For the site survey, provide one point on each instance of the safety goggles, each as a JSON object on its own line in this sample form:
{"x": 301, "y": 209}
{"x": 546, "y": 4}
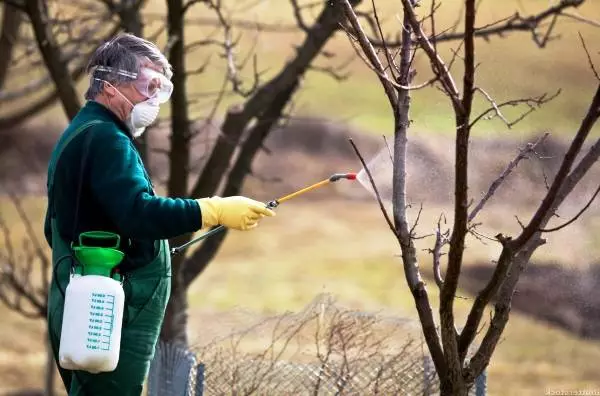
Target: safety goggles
{"x": 153, "y": 85}
{"x": 149, "y": 82}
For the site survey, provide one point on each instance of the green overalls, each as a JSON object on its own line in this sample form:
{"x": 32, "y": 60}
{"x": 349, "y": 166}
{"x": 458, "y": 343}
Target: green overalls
{"x": 147, "y": 290}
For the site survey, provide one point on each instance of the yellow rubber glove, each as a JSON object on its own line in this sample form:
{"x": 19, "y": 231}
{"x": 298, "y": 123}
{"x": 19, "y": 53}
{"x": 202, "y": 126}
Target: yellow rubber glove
{"x": 239, "y": 213}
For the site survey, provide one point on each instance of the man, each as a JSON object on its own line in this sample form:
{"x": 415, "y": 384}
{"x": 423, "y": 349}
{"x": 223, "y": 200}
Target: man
{"x": 97, "y": 181}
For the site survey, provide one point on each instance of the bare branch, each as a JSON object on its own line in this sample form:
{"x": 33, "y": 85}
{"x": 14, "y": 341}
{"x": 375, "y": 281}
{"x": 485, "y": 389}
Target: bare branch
{"x": 588, "y": 122}
{"x": 37, "y": 10}
{"x": 382, "y": 74}
{"x": 16, "y": 273}
{"x": 516, "y": 22}
{"x": 575, "y": 217}
{"x": 298, "y": 15}
{"x": 379, "y": 200}
{"x": 438, "y": 65}
{"x": 190, "y": 3}
{"x": 370, "y": 53}
{"x": 385, "y": 47}
{"x": 332, "y": 72}
{"x": 532, "y": 104}
{"x": 237, "y": 23}
{"x": 441, "y": 239}
{"x": 580, "y": 18}
{"x": 265, "y": 102}
{"x": 522, "y": 248}
{"x": 589, "y": 57}
{"x": 502, "y": 307}
{"x": 523, "y": 153}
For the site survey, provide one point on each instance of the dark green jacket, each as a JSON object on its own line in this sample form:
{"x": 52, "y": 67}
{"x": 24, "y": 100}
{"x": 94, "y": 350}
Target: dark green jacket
{"x": 116, "y": 194}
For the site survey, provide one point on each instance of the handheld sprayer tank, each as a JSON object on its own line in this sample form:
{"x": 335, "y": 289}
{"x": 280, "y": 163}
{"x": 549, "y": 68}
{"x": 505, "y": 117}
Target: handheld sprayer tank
{"x": 94, "y": 302}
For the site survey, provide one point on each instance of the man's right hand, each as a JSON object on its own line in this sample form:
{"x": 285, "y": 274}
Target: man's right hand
{"x": 235, "y": 212}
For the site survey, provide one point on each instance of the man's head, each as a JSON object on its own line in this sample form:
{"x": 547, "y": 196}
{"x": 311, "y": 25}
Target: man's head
{"x": 130, "y": 76}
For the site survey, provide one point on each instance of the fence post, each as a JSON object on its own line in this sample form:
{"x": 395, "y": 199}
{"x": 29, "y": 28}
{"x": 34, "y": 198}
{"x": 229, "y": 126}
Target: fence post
{"x": 481, "y": 384}
{"x": 427, "y": 363}
{"x": 170, "y": 371}
{"x": 200, "y": 379}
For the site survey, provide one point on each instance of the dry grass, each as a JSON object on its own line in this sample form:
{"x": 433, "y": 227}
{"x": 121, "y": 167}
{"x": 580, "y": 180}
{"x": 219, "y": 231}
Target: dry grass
{"x": 342, "y": 248}
{"x": 335, "y": 241}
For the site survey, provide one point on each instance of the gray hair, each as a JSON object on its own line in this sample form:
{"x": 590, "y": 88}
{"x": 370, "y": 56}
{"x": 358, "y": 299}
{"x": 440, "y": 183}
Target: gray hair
{"x": 119, "y": 61}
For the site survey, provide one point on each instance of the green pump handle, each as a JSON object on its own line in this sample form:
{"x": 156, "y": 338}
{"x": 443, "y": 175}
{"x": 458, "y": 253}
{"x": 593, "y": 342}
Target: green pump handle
{"x": 100, "y": 235}
{"x": 99, "y": 260}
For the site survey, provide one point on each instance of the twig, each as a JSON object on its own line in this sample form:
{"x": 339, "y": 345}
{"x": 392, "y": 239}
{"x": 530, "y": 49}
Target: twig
{"x": 331, "y": 71}
{"x": 389, "y": 150}
{"x": 532, "y": 103}
{"x": 516, "y": 22}
{"x": 576, "y": 216}
{"x": 298, "y": 15}
{"x": 385, "y": 48}
{"x": 438, "y": 65}
{"x": 412, "y": 229}
{"x": 369, "y": 51}
{"x": 440, "y": 240}
{"x": 379, "y": 200}
{"x": 579, "y": 18}
{"x": 530, "y": 147}
{"x": 589, "y": 57}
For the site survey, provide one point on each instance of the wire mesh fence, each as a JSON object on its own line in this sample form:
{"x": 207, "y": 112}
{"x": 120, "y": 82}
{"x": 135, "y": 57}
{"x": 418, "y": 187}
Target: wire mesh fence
{"x": 324, "y": 350}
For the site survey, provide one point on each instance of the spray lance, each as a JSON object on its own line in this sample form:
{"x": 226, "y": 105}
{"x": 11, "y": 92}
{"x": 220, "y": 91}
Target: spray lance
{"x": 271, "y": 205}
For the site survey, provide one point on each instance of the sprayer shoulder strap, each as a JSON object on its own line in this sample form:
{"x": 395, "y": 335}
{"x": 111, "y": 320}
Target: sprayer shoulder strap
{"x": 60, "y": 150}
{"x": 64, "y": 144}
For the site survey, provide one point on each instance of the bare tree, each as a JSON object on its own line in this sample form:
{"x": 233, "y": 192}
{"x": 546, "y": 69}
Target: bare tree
{"x": 9, "y": 30}
{"x": 60, "y": 45}
{"x": 242, "y": 132}
{"x": 25, "y": 277}
{"x": 449, "y": 346}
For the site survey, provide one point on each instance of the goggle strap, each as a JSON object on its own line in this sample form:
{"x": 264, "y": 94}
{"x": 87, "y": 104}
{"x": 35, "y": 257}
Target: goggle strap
{"x": 120, "y": 72}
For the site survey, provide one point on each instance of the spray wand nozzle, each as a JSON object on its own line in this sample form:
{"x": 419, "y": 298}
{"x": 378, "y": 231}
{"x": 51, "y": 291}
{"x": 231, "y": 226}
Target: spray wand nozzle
{"x": 272, "y": 205}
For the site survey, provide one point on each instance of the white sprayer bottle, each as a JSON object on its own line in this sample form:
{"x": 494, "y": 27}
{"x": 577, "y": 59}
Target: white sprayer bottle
{"x": 90, "y": 337}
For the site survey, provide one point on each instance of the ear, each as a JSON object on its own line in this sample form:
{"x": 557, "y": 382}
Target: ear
{"x": 108, "y": 89}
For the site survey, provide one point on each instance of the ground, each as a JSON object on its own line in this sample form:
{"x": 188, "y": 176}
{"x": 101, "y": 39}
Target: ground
{"x": 336, "y": 241}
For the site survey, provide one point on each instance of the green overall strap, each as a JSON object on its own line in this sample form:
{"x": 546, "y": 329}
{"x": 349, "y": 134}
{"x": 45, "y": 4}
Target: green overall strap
{"x": 76, "y": 133}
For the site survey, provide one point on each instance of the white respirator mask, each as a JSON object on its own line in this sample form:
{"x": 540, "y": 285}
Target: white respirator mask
{"x": 142, "y": 115}
{"x": 154, "y": 86}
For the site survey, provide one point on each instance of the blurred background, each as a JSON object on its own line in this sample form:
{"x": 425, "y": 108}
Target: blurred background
{"x": 334, "y": 240}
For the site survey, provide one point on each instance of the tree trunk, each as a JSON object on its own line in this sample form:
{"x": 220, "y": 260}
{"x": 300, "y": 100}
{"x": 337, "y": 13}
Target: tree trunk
{"x": 453, "y": 388}
{"x": 174, "y": 328}
{"x": 52, "y": 55}
{"x": 11, "y": 20}
{"x": 180, "y": 123}
{"x": 131, "y": 21}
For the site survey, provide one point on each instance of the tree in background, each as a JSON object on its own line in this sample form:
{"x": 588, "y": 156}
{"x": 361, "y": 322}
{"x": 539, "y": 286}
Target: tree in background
{"x": 25, "y": 276}
{"x": 55, "y": 39}
{"x": 393, "y": 64}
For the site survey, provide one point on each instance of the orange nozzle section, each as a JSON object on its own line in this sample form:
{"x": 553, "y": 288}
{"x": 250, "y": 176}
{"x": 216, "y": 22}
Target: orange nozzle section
{"x": 333, "y": 178}
{"x": 304, "y": 190}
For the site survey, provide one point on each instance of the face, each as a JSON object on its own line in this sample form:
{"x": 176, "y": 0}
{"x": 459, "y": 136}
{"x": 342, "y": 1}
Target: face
{"x": 118, "y": 103}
